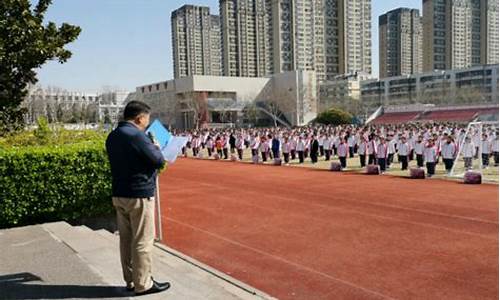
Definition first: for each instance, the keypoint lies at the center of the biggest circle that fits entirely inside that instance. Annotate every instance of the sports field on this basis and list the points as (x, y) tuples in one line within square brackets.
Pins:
[(301, 233)]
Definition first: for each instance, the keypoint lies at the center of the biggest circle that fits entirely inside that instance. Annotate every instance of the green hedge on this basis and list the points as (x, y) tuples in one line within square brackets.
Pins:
[(48, 183)]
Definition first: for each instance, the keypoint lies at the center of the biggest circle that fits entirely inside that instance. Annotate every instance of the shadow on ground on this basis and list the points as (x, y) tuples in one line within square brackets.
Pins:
[(21, 286)]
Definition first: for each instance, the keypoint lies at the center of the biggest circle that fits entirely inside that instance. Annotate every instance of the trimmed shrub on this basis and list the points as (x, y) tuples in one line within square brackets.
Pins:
[(334, 116), (57, 182)]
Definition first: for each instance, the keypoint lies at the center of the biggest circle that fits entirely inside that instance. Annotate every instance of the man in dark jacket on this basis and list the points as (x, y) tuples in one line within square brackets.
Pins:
[(275, 147), (232, 142), (134, 161), (314, 149)]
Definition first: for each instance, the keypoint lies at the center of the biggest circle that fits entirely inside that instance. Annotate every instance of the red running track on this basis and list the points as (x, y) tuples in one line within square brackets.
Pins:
[(299, 233)]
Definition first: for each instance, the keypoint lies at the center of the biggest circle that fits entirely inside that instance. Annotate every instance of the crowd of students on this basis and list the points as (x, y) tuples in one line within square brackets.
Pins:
[(372, 144)]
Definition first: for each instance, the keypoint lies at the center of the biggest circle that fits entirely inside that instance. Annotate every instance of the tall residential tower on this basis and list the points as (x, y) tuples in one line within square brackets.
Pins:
[(247, 37), (400, 42), (196, 42), (459, 33)]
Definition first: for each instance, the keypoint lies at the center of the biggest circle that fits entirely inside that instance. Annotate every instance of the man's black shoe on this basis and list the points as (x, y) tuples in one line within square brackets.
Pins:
[(156, 288)]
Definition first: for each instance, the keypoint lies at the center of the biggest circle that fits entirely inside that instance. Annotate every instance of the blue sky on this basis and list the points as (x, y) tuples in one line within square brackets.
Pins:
[(127, 43)]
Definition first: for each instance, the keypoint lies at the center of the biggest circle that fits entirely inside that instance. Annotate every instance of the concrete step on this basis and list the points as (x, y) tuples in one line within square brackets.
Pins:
[(167, 259), (37, 264), (190, 279)]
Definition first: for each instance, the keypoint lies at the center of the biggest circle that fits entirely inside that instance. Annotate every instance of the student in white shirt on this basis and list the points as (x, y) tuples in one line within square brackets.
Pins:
[(293, 147), (327, 146), (300, 149), (342, 151), (449, 152), (382, 154), (430, 156), (351, 141), (210, 146), (362, 151), (403, 152), (264, 148), (419, 151), (240, 143), (254, 145), (285, 148), (391, 150), (321, 141), (371, 150), (468, 150), (485, 151), (494, 149)]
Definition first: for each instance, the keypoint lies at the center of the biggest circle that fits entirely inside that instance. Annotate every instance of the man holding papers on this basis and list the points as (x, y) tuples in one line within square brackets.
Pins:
[(134, 160)]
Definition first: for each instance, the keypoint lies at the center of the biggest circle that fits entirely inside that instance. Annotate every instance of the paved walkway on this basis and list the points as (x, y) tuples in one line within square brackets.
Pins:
[(58, 261)]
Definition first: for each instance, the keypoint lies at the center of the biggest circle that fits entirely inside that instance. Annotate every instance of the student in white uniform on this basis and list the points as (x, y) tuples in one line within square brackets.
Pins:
[(494, 149), (254, 145), (449, 152), (391, 150), (240, 143), (210, 146), (264, 148), (485, 151), (371, 150), (300, 149), (362, 151), (285, 148), (403, 152), (419, 151), (382, 154), (351, 141), (342, 152), (321, 141), (327, 145), (293, 146), (468, 150), (430, 156)]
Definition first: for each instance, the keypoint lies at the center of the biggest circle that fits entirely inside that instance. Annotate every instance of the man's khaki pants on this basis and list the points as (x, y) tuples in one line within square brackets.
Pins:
[(135, 219)]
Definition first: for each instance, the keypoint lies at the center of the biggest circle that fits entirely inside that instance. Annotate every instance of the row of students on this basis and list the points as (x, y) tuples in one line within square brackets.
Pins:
[(299, 144)]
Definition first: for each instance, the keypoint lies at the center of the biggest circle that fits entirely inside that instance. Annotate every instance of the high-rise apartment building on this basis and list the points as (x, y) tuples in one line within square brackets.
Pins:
[(256, 38), (355, 45), (262, 37), (400, 42), (459, 33), (196, 42), (299, 36), (247, 37), (489, 27)]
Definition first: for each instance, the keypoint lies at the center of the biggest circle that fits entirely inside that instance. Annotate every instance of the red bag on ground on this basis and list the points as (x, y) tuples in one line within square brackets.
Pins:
[(335, 166), (417, 173), (373, 169), (472, 177)]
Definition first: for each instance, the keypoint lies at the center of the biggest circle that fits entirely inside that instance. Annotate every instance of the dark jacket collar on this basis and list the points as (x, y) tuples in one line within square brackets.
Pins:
[(127, 124)]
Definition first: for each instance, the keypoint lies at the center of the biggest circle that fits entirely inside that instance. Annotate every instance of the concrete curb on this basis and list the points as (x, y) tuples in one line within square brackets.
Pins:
[(235, 283)]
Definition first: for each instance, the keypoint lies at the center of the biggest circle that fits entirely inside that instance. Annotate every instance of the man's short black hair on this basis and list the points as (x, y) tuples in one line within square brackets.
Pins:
[(134, 109)]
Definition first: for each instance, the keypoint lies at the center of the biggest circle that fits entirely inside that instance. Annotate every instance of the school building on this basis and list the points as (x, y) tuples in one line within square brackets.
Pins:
[(201, 101)]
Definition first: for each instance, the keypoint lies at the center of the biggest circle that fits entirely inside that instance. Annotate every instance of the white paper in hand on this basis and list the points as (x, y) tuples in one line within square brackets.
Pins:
[(174, 148)]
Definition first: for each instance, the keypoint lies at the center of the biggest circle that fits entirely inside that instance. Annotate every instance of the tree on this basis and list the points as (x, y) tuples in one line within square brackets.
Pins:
[(280, 104), (334, 116), (196, 105), (60, 113), (26, 43), (107, 117), (76, 113)]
